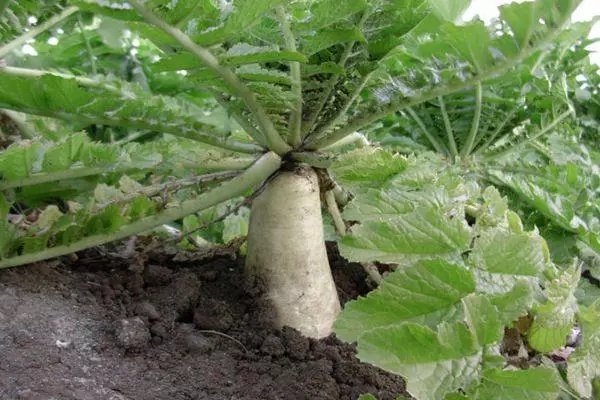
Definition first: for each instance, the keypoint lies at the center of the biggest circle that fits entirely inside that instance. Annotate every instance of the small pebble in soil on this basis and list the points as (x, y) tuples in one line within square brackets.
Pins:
[(132, 333), (158, 330), (146, 309), (213, 315), (273, 346), (63, 344), (156, 275), (296, 344), (198, 344)]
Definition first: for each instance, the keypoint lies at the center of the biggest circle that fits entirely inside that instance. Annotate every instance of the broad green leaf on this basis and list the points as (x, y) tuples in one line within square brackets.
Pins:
[(378, 203), (367, 167), (367, 396), (324, 13), (236, 225), (47, 218), (472, 42), (326, 38), (390, 21), (515, 303), (483, 319), (584, 364), (17, 161), (539, 383), (429, 293), (404, 239), (449, 10), (587, 292), (438, 362), (244, 13), (127, 106), (514, 15), (554, 320), (64, 155), (434, 363), (238, 55), (501, 259)]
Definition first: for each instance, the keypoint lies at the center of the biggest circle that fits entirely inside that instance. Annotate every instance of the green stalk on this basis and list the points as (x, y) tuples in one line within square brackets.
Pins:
[(314, 115), (334, 211), (312, 119), (276, 143), (342, 111), (171, 186), (296, 114), (242, 121), (54, 177), (37, 73), (359, 122), (341, 196), (132, 137), (88, 46), (499, 129), (448, 127), (261, 170), (227, 163), (437, 145), (355, 137), (21, 40), (195, 134), (314, 159), (531, 138), (475, 124)]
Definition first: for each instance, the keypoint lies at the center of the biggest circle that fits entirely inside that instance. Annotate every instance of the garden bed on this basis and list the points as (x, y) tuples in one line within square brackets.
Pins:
[(166, 325)]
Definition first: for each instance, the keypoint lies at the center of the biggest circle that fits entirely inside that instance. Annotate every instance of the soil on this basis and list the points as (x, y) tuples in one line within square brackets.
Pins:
[(171, 326)]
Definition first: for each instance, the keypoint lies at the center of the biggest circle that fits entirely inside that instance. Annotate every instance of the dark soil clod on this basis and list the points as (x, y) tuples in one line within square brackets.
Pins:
[(183, 329)]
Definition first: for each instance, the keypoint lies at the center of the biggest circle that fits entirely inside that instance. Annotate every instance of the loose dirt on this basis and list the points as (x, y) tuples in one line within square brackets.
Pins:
[(170, 327)]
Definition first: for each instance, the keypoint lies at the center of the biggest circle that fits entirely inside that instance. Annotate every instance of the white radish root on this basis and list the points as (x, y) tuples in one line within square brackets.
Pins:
[(286, 251)]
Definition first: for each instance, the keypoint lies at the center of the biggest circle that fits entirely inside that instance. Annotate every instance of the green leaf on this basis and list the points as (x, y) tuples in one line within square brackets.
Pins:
[(449, 10), (462, 39), (367, 167), (584, 364), (324, 13), (483, 319), (382, 203), (64, 155), (532, 384), (17, 161), (556, 317), (240, 54), (429, 293), (515, 303), (502, 258), (236, 225), (326, 38), (514, 15), (433, 362), (47, 218), (244, 13), (367, 396), (587, 292), (126, 106), (404, 239)]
